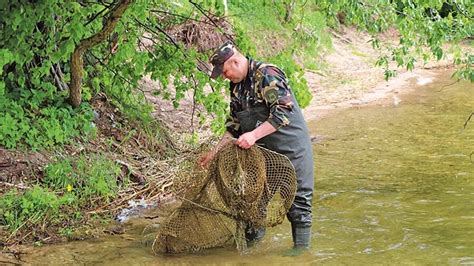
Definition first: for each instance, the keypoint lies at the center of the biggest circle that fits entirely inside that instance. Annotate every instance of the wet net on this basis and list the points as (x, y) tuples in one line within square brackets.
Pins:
[(251, 188)]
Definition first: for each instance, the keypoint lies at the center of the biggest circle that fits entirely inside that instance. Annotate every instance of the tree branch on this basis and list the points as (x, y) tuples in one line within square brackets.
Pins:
[(467, 120), (95, 16), (77, 63), (210, 19), (180, 16), (57, 75), (462, 11), (160, 30)]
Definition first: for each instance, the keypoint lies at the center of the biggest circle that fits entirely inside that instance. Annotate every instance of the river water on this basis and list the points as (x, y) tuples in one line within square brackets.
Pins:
[(394, 185)]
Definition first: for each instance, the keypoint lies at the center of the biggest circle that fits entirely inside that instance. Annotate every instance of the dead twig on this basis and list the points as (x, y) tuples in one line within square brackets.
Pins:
[(450, 84), (342, 38), (467, 120), (229, 37), (14, 185)]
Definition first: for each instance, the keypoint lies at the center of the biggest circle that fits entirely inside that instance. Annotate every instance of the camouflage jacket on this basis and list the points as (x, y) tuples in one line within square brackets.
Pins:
[(264, 83)]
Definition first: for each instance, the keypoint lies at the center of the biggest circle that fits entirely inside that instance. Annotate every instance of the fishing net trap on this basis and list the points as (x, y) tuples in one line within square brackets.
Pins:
[(241, 188)]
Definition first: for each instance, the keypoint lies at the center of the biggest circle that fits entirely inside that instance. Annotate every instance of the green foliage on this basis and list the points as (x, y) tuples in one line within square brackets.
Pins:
[(68, 187), (43, 127), (59, 175), (33, 41), (424, 26), (466, 71), (33, 206), (85, 177), (295, 75), (37, 40), (261, 32)]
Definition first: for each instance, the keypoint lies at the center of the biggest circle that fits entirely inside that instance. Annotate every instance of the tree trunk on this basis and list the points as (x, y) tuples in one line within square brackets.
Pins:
[(77, 64), (225, 7), (289, 6)]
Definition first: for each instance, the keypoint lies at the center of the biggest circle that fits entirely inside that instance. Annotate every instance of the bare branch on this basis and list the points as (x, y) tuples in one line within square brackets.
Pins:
[(181, 16), (467, 120), (95, 16), (57, 79), (155, 32), (210, 19)]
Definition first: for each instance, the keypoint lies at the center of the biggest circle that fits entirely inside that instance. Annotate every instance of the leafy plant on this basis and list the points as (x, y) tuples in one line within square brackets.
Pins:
[(38, 41), (69, 187), (33, 206)]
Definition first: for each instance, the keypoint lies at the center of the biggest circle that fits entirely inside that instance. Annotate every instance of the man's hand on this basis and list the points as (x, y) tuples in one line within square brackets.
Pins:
[(246, 140), (204, 160), (207, 157)]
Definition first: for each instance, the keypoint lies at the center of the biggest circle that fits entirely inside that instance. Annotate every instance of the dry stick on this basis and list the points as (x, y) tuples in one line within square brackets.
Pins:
[(467, 120), (180, 16), (57, 80), (23, 224), (18, 240), (450, 84), (213, 22), (99, 210), (155, 196), (119, 205), (156, 191), (155, 32), (61, 76), (344, 39), (194, 103), (13, 185)]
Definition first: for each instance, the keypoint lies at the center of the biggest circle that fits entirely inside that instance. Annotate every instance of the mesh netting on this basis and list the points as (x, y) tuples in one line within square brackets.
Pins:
[(242, 188)]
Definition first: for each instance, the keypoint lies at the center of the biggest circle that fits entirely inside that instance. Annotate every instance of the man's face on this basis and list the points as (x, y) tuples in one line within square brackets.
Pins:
[(234, 70)]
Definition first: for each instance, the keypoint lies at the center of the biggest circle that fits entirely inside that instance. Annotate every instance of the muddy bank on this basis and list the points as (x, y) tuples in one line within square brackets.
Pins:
[(350, 78), (384, 92)]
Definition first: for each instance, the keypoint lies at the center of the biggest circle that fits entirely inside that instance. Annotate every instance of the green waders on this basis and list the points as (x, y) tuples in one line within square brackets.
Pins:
[(293, 141)]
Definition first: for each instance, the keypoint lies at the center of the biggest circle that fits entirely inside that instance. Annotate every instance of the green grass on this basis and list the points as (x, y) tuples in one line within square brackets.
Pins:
[(68, 188)]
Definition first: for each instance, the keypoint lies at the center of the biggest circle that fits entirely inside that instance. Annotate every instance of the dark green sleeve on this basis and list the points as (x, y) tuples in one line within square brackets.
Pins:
[(232, 124), (277, 95)]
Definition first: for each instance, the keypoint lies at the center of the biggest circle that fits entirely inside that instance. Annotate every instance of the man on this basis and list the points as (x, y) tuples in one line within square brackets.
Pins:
[(263, 110)]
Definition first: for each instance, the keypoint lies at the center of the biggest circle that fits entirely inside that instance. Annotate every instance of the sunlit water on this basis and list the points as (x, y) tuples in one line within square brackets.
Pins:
[(394, 185)]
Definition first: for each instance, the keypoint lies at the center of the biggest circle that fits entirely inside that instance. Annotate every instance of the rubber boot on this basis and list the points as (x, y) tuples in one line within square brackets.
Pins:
[(301, 236), (254, 235), (301, 240)]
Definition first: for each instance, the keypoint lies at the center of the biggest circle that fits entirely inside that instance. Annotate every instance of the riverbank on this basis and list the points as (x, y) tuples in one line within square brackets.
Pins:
[(350, 77)]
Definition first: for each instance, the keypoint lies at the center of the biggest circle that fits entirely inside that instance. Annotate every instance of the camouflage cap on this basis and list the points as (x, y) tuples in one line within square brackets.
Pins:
[(224, 52)]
